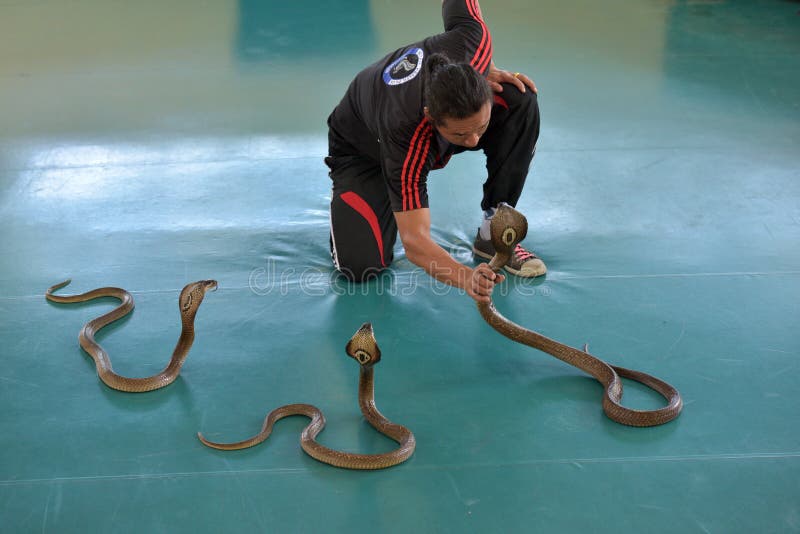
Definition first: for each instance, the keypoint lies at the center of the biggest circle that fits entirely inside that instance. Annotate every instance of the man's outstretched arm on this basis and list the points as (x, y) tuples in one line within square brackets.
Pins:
[(414, 227)]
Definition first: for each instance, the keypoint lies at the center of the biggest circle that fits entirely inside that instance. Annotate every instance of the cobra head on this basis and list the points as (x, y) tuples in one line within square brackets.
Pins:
[(363, 348), (192, 296), (508, 228)]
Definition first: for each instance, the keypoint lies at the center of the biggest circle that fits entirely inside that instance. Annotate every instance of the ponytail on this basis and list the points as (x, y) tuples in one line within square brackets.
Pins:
[(434, 63), (453, 90)]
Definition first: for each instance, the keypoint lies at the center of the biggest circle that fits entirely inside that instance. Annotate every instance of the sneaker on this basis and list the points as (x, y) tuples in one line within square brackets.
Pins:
[(522, 262)]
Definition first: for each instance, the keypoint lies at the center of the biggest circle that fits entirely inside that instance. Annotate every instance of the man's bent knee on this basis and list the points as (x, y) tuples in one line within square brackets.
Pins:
[(361, 273)]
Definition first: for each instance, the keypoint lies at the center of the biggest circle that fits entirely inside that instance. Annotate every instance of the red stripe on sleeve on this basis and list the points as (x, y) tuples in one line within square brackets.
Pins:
[(412, 149), (422, 161), (416, 165)]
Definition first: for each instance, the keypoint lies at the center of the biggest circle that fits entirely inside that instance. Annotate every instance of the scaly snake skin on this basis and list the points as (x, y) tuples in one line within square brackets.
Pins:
[(190, 299), (508, 228), (364, 349)]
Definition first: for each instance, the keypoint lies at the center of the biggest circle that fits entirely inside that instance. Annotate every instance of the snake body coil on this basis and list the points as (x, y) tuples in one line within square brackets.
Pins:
[(190, 299), (363, 348), (508, 228)]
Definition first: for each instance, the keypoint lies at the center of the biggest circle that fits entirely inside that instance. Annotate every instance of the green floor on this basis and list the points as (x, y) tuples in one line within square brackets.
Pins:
[(149, 145)]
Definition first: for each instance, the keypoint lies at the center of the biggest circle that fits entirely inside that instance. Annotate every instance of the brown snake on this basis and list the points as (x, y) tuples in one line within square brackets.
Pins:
[(364, 349), (508, 228), (190, 299)]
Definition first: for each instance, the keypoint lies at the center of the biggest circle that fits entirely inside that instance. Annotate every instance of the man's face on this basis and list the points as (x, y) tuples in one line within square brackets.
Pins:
[(465, 132)]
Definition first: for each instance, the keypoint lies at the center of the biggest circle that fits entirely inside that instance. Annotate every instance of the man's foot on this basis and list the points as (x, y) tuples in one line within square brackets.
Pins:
[(522, 262)]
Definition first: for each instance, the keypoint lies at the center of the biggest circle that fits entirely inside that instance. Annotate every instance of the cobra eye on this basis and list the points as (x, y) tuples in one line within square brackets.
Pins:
[(509, 235), (362, 356)]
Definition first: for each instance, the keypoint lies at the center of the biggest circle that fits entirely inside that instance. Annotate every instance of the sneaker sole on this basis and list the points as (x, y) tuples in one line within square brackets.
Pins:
[(511, 270)]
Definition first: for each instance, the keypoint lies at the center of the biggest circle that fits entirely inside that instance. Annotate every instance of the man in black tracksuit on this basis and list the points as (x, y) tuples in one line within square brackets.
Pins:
[(384, 139)]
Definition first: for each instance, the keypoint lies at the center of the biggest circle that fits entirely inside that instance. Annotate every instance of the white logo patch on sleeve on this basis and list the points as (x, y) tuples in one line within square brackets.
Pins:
[(404, 68)]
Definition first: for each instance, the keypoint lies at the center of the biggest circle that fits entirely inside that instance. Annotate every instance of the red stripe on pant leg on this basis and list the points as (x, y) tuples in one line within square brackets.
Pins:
[(483, 54), (487, 57), (360, 205), (499, 100)]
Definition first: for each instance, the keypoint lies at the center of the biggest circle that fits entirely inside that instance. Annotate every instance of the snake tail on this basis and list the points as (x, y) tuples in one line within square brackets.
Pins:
[(508, 228), (189, 301), (363, 348)]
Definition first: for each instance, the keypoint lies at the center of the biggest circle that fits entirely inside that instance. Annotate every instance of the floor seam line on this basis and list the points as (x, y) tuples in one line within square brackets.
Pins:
[(112, 165), (554, 279), (296, 470)]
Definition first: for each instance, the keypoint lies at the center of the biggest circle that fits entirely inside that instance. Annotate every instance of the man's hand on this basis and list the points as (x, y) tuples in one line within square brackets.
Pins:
[(497, 76), (414, 227), (482, 283)]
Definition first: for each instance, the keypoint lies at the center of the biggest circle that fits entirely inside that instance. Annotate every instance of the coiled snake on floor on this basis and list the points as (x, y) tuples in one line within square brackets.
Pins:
[(508, 228), (190, 299), (363, 348)]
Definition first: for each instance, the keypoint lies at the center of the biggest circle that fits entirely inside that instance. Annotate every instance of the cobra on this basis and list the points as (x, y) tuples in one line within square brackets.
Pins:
[(509, 222), (190, 299), (363, 348)]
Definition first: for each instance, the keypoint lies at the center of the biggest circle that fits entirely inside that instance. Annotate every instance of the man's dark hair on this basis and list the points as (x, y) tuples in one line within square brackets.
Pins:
[(453, 90)]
